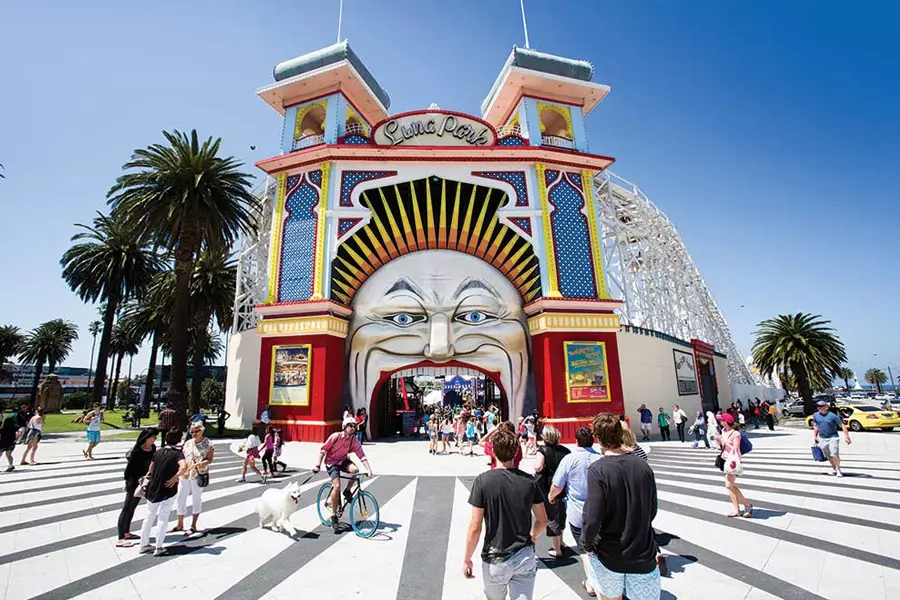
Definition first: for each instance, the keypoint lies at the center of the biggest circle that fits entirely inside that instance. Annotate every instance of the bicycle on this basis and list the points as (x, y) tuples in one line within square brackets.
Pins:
[(364, 511)]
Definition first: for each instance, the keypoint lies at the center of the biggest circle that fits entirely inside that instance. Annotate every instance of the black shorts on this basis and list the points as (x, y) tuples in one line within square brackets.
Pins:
[(334, 471), (576, 533)]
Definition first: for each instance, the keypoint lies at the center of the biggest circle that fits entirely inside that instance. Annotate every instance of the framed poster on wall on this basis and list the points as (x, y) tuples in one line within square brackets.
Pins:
[(685, 373), (290, 375), (587, 376)]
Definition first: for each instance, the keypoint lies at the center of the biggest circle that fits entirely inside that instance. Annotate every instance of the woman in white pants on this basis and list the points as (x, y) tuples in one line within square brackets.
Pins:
[(198, 453), (166, 468)]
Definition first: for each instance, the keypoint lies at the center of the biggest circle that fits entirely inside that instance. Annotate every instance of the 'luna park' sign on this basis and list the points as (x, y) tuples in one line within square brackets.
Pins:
[(433, 128)]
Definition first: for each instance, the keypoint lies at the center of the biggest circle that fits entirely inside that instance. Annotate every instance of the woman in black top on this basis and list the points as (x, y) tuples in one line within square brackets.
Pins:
[(549, 457), (162, 485), (139, 458)]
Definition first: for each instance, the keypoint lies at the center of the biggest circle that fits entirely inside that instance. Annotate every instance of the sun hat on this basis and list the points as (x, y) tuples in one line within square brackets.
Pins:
[(726, 418), (348, 421)]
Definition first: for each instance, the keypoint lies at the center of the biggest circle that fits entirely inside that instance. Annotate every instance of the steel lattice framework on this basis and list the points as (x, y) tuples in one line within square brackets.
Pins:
[(647, 266)]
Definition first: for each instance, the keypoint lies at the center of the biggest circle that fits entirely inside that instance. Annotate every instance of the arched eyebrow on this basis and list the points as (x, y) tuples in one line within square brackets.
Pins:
[(405, 285), (474, 284)]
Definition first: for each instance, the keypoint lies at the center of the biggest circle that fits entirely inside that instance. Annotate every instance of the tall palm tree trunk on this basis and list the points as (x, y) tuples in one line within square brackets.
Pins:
[(114, 384), (801, 378), (181, 321), (91, 364), (150, 382), (112, 304), (38, 370), (198, 363), (846, 384)]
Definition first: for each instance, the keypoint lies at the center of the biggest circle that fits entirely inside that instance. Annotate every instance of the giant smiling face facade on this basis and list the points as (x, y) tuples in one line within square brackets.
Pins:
[(438, 306)]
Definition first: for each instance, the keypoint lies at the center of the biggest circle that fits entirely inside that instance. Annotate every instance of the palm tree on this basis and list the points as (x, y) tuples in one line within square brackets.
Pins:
[(94, 328), (50, 343), (112, 264), (123, 342), (212, 297), (846, 374), (11, 339), (803, 344), (187, 198), (876, 377)]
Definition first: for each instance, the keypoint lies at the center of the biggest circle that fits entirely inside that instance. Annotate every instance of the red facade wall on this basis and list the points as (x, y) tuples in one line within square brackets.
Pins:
[(326, 386), (550, 380)]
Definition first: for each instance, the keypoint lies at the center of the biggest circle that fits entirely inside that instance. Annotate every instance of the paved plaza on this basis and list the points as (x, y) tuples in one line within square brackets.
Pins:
[(813, 536)]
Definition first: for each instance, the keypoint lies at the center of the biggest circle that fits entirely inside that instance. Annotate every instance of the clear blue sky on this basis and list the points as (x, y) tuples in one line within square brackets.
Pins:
[(768, 131)]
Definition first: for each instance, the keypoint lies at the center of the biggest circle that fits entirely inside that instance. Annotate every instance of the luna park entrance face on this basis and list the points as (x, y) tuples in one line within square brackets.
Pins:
[(403, 398)]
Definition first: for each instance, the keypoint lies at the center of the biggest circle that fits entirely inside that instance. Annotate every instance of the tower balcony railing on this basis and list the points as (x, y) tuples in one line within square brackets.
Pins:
[(513, 129), (309, 140), (557, 142), (355, 128)]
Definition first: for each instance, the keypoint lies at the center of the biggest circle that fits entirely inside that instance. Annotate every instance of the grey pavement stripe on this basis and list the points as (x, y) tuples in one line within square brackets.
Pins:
[(193, 544), (780, 534), (802, 494), (294, 557), (785, 508), (751, 475), (247, 494), (63, 486), (814, 468), (429, 529), (730, 568), (229, 468)]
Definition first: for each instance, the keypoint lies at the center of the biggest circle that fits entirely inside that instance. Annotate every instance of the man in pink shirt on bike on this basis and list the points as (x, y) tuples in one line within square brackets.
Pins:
[(336, 453)]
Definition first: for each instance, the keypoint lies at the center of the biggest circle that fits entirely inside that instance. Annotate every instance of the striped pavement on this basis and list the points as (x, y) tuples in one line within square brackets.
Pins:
[(813, 536)]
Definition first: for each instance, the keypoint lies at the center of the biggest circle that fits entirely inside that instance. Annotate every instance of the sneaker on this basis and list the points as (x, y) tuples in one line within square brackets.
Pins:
[(145, 549), (838, 473), (833, 472), (160, 552), (335, 525)]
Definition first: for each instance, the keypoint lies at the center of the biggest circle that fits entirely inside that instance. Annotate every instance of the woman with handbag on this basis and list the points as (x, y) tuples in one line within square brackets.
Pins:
[(139, 458), (198, 454), (166, 468), (729, 461)]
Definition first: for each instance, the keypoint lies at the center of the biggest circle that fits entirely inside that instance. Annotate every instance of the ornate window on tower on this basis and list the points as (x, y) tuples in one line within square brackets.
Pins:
[(556, 125)]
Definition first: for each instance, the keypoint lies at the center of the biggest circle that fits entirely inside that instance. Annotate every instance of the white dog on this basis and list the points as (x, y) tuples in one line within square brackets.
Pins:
[(276, 506)]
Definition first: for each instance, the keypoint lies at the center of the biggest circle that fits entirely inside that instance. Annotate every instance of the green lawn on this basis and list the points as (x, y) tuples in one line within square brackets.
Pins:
[(62, 422)]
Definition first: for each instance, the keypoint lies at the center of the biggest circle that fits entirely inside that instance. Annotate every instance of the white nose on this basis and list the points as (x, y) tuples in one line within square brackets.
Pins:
[(439, 346)]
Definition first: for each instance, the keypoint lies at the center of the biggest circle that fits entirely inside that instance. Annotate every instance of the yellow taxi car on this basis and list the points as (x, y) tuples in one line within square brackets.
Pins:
[(864, 416)]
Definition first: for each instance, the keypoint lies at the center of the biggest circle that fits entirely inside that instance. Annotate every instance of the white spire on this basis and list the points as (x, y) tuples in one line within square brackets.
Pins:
[(524, 23), (340, 19)]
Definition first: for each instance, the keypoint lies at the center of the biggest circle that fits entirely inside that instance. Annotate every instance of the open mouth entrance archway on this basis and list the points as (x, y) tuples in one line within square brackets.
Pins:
[(402, 397)]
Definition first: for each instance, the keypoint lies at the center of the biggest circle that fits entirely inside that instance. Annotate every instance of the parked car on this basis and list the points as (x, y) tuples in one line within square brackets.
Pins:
[(865, 416), (793, 409)]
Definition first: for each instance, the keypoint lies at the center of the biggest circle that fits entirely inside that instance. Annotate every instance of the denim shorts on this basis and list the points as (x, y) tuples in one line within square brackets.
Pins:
[(335, 470), (637, 586), (516, 574), (93, 437)]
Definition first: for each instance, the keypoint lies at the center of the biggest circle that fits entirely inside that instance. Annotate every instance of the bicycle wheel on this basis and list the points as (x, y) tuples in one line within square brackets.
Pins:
[(321, 498), (364, 514)]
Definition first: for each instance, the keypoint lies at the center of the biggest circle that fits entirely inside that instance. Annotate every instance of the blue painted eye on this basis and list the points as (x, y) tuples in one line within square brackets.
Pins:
[(475, 317), (404, 319)]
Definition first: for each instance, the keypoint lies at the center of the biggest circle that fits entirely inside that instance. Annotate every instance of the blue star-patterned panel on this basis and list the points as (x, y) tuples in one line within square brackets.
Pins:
[(298, 242), (356, 140), (345, 225), (513, 178), (571, 237), (350, 179)]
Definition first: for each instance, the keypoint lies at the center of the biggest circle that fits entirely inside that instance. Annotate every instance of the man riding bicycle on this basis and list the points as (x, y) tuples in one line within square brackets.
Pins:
[(335, 451)]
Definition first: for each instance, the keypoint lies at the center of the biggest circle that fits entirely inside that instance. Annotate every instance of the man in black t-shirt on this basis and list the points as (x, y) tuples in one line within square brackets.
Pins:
[(618, 515), (504, 500)]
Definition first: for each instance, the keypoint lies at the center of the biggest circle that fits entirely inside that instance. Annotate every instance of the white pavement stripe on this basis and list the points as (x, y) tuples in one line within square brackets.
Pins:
[(381, 556), (212, 570), (456, 587), (870, 513), (795, 564)]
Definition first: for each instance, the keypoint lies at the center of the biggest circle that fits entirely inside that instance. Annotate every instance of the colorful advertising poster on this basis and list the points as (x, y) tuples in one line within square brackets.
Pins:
[(587, 378), (290, 375), (685, 373)]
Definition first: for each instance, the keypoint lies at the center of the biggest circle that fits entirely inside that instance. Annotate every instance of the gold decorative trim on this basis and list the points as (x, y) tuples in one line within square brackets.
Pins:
[(553, 292), (312, 325), (596, 241), (320, 234), (572, 322), (275, 251)]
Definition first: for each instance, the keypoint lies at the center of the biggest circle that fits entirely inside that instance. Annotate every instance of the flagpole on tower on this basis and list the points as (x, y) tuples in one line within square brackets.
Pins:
[(340, 18), (524, 23)]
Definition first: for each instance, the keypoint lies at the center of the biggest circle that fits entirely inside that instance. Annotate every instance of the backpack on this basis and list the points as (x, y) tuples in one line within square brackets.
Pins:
[(746, 446)]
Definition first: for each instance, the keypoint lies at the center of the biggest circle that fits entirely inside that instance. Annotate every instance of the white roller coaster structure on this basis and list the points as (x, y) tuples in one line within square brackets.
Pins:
[(647, 266)]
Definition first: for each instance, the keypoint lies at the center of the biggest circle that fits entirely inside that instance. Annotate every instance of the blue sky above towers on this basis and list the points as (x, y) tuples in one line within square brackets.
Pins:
[(767, 131)]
